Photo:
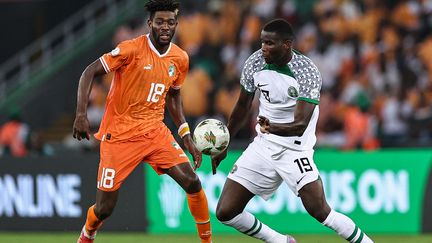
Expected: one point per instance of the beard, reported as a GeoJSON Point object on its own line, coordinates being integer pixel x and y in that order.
{"type": "Point", "coordinates": [159, 40]}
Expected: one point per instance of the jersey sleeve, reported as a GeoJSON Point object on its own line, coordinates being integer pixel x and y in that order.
{"type": "Point", "coordinates": [122, 55]}
{"type": "Point", "coordinates": [183, 67]}
{"type": "Point", "coordinates": [252, 65]}
{"type": "Point", "coordinates": [310, 82]}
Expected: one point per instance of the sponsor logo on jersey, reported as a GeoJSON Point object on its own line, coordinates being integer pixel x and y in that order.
{"type": "Point", "coordinates": [148, 67]}
{"type": "Point", "coordinates": [292, 92]}
{"type": "Point", "coordinates": [115, 52]}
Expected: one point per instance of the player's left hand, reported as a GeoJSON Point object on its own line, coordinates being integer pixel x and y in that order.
{"type": "Point", "coordinates": [264, 122]}
{"type": "Point", "coordinates": [196, 154]}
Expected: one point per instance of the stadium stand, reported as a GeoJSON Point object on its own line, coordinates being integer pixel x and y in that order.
{"type": "Point", "coordinates": [374, 57]}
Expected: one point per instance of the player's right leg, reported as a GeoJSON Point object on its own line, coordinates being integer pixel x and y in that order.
{"type": "Point", "coordinates": [117, 161]}
{"type": "Point", "coordinates": [96, 214]}
{"type": "Point", "coordinates": [251, 175]}
{"type": "Point", "coordinates": [230, 211]}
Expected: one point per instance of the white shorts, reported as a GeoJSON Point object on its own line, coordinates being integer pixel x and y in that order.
{"type": "Point", "coordinates": [264, 165]}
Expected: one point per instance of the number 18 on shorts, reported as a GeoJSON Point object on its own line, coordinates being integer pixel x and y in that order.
{"type": "Point", "coordinates": [106, 180]}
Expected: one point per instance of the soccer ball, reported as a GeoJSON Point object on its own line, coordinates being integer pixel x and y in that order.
{"type": "Point", "coordinates": [211, 136]}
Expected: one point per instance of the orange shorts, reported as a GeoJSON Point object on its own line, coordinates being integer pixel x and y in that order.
{"type": "Point", "coordinates": [117, 160]}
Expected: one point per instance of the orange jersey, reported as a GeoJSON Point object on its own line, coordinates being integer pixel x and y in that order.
{"type": "Point", "coordinates": [136, 100]}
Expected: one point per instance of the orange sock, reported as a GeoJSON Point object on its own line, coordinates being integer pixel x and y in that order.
{"type": "Point", "coordinates": [92, 223]}
{"type": "Point", "coordinates": [199, 208]}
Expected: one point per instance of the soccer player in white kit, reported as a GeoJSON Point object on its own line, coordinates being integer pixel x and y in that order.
{"type": "Point", "coordinates": [289, 85]}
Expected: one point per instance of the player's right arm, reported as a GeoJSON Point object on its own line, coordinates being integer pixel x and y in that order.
{"type": "Point", "coordinates": [235, 122]}
{"type": "Point", "coordinates": [81, 128]}
{"type": "Point", "coordinates": [241, 110]}
{"type": "Point", "coordinates": [121, 56]}
{"type": "Point", "coordinates": [243, 106]}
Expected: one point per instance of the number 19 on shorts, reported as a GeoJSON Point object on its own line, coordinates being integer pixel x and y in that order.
{"type": "Point", "coordinates": [107, 178]}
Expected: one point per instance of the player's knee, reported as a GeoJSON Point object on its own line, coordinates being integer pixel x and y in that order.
{"type": "Point", "coordinates": [224, 214]}
{"type": "Point", "coordinates": [104, 210]}
{"type": "Point", "coordinates": [192, 184]}
{"type": "Point", "coordinates": [319, 214]}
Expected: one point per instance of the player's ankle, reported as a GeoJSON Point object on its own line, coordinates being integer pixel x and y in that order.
{"type": "Point", "coordinates": [88, 234]}
{"type": "Point", "coordinates": [206, 237]}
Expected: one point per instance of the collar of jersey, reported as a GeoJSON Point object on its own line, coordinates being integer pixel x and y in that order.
{"type": "Point", "coordinates": [154, 48]}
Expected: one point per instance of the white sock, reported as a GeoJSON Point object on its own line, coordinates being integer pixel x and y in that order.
{"type": "Point", "coordinates": [87, 235]}
{"type": "Point", "coordinates": [346, 228]}
{"type": "Point", "coordinates": [247, 224]}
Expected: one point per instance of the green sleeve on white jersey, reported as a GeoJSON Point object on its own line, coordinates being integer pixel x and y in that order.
{"type": "Point", "coordinates": [252, 65]}
{"type": "Point", "coordinates": [308, 78]}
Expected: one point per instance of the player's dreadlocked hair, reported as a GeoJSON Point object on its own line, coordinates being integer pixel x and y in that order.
{"type": "Point", "coordinates": [281, 27]}
{"type": "Point", "coordinates": [162, 5]}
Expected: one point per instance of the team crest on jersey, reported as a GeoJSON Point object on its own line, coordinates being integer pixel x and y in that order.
{"type": "Point", "coordinates": [115, 52]}
{"type": "Point", "coordinates": [171, 70]}
{"type": "Point", "coordinates": [176, 145]}
{"type": "Point", "coordinates": [292, 92]}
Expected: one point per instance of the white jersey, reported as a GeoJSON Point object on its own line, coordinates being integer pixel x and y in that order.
{"type": "Point", "coordinates": [280, 88]}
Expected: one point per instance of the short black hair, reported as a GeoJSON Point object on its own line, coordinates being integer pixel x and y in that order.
{"type": "Point", "coordinates": [162, 5]}
{"type": "Point", "coordinates": [281, 27]}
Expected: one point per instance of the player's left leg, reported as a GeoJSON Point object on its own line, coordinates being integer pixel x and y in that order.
{"type": "Point", "coordinates": [169, 158]}
{"type": "Point", "coordinates": [184, 175]}
{"type": "Point", "coordinates": [313, 198]}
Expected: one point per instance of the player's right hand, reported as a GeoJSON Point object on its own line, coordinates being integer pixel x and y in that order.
{"type": "Point", "coordinates": [216, 159]}
{"type": "Point", "coordinates": [81, 128]}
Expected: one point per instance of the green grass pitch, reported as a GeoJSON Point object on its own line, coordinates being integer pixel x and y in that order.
{"type": "Point", "coordinates": [60, 237]}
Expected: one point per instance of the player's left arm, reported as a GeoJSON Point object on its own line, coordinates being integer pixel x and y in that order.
{"type": "Point", "coordinates": [302, 117]}
{"type": "Point", "coordinates": [175, 108]}
{"type": "Point", "coordinates": [309, 95]}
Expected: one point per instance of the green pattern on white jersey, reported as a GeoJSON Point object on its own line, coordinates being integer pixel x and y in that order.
{"type": "Point", "coordinates": [280, 88]}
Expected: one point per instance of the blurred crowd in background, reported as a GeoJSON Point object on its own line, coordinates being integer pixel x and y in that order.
{"type": "Point", "coordinates": [375, 58]}
{"type": "Point", "coordinates": [18, 140]}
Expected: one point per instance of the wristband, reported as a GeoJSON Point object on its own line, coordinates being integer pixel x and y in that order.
{"type": "Point", "coordinates": [183, 130]}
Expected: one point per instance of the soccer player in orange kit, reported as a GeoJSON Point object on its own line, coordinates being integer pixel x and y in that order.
{"type": "Point", "coordinates": [148, 72]}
